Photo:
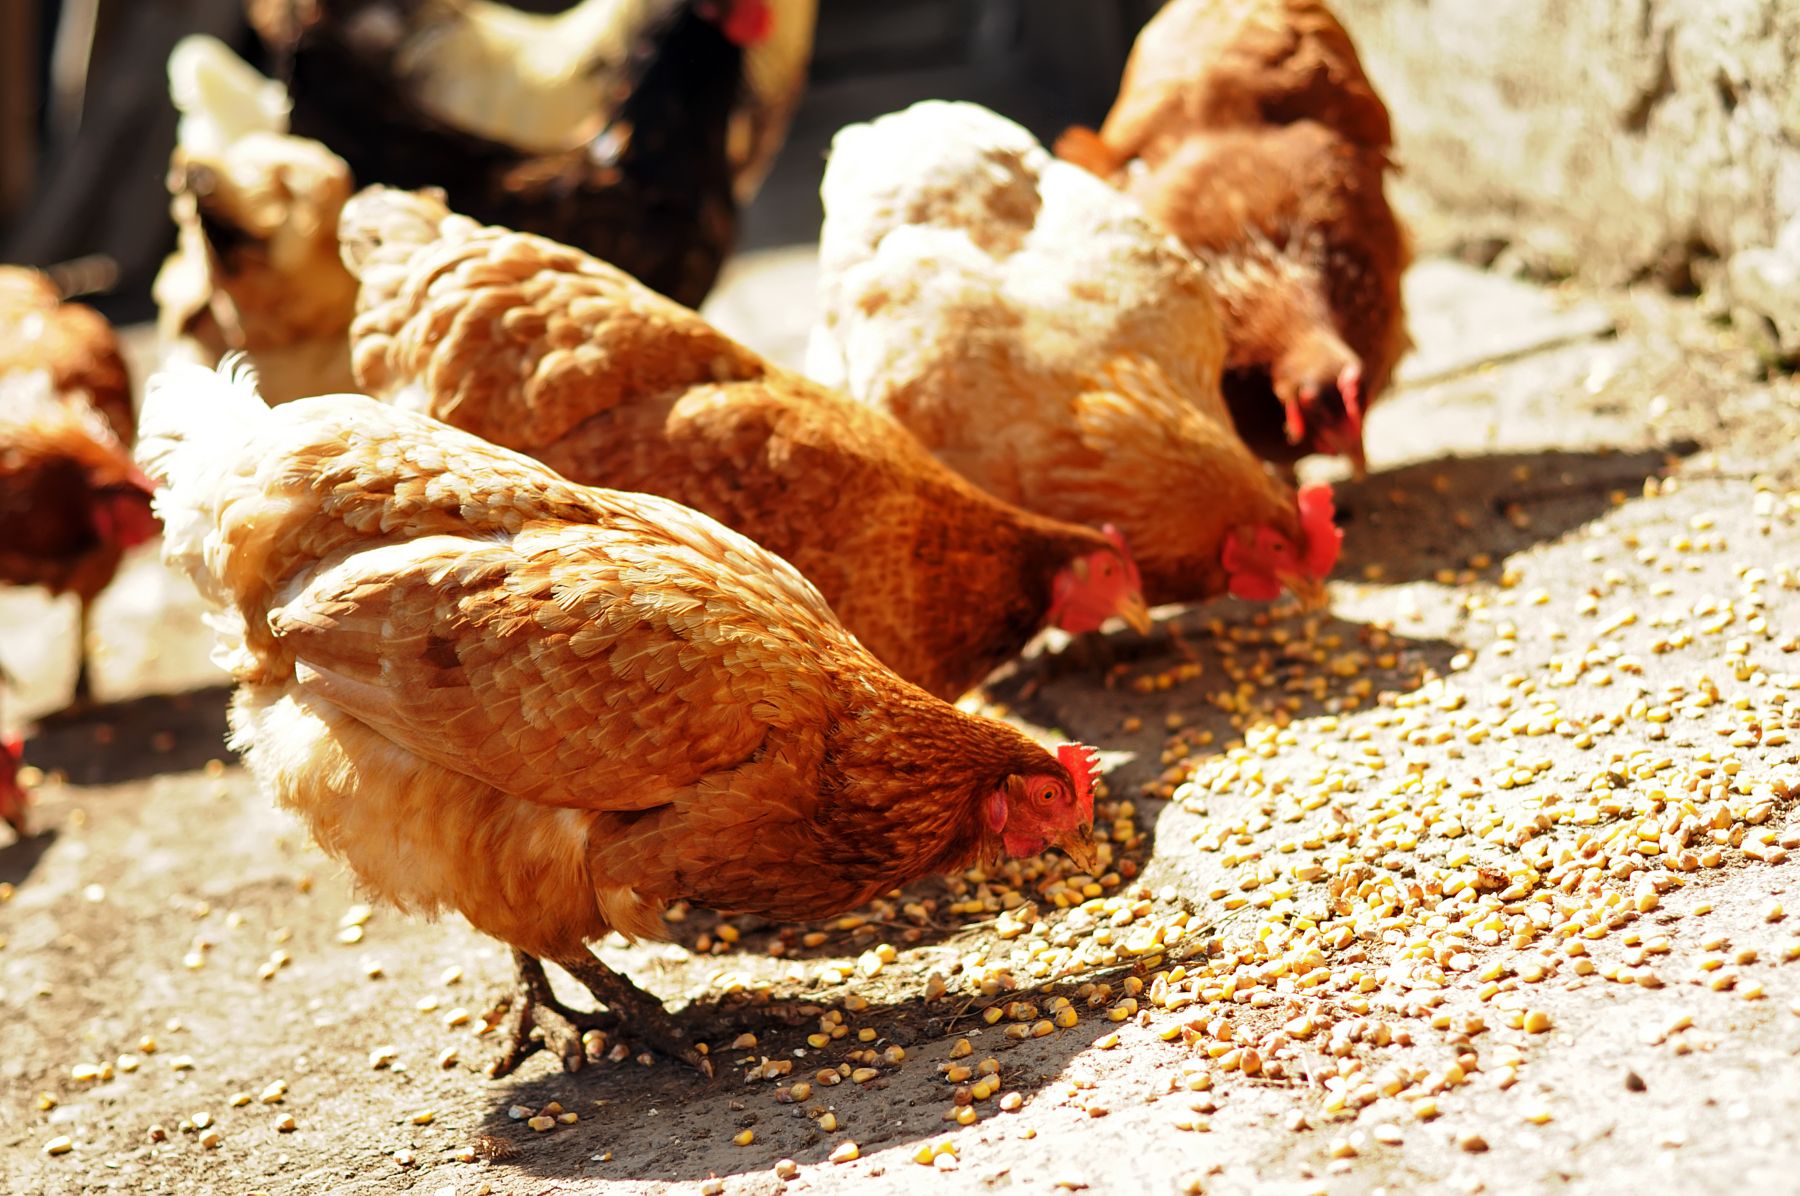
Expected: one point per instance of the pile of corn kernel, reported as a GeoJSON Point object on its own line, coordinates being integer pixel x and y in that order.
{"type": "Point", "coordinates": [1393, 847]}
{"type": "Point", "coordinates": [1392, 852]}
{"type": "Point", "coordinates": [1426, 847]}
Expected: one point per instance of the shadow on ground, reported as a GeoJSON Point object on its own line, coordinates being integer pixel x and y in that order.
{"type": "Point", "coordinates": [1208, 654]}
{"type": "Point", "coordinates": [662, 1121]}
{"type": "Point", "coordinates": [19, 858]}
{"type": "Point", "coordinates": [128, 741]}
{"type": "Point", "coordinates": [1433, 515]}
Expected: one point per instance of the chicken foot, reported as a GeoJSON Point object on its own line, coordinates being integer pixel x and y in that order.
{"type": "Point", "coordinates": [635, 1013]}
{"type": "Point", "coordinates": [534, 1006]}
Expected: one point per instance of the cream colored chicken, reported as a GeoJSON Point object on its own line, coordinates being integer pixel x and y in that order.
{"type": "Point", "coordinates": [555, 708]}
{"type": "Point", "coordinates": [1031, 327]}
{"type": "Point", "coordinates": [256, 266]}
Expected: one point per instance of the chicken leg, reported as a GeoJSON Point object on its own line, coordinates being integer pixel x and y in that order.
{"type": "Point", "coordinates": [625, 1007]}
{"type": "Point", "coordinates": [532, 1005]}
{"type": "Point", "coordinates": [636, 1014]}
{"type": "Point", "coordinates": [84, 685]}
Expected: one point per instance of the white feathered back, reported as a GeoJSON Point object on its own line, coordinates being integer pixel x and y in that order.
{"type": "Point", "coordinates": [985, 230]}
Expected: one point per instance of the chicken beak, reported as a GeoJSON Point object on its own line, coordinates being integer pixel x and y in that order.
{"type": "Point", "coordinates": [1079, 846]}
{"type": "Point", "coordinates": [1309, 590]}
{"type": "Point", "coordinates": [1136, 614]}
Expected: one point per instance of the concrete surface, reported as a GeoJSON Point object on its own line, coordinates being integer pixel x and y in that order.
{"type": "Point", "coordinates": [1556, 530]}
{"type": "Point", "coordinates": [1608, 139]}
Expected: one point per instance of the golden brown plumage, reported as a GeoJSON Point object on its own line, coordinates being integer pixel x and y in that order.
{"type": "Point", "coordinates": [1250, 131]}
{"type": "Point", "coordinates": [553, 708]}
{"type": "Point", "coordinates": [71, 502]}
{"type": "Point", "coordinates": [1044, 340]}
{"type": "Point", "coordinates": [548, 351]}
{"type": "Point", "coordinates": [73, 342]}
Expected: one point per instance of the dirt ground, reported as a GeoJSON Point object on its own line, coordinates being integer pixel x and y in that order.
{"type": "Point", "coordinates": [1481, 881]}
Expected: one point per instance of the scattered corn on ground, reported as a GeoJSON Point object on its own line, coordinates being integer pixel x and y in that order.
{"type": "Point", "coordinates": [1376, 882]}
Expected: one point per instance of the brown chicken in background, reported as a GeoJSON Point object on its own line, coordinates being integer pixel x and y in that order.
{"type": "Point", "coordinates": [1248, 128]}
{"type": "Point", "coordinates": [73, 342]}
{"type": "Point", "coordinates": [71, 501]}
{"type": "Point", "coordinates": [632, 129]}
{"type": "Point", "coordinates": [1044, 340]}
{"type": "Point", "coordinates": [556, 709]}
{"type": "Point", "coordinates": [256, 267]}
{"type": "Point", "coordinates": [543, 349]}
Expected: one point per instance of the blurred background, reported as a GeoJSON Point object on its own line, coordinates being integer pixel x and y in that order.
{"type": "Point", "coordinates": [1613, 141]}
{"type": "Point", "coordinates": [86, 125]}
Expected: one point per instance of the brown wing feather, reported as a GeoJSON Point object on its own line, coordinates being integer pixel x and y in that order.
{"type": "Point", "coordinates": [560, 667]}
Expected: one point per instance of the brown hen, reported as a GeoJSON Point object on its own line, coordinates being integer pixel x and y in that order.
{"type": "Point", "coordinates": [546, 350]}
{"type": "Point", "coordinates": [1248, 128]}
{"type": "Point", "coordinates": [71, 502]}
{"type": "Point", "coordinates": [256, 267]}
{"type": "Point", "coordinates": [73, 342]}
{"type": "Point", "coordinates": [557, 709]}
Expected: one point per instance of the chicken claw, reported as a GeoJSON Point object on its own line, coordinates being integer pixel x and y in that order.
{"type": "Point", "coordinates": [533, 1005]}
{"type": "Point", "coordinates": [560, 1028]}
{"type": "Point", "coordinates": [636, 1014]}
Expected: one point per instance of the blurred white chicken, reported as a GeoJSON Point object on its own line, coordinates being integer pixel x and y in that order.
{"type": "Point", "coordinates": [256, 266]}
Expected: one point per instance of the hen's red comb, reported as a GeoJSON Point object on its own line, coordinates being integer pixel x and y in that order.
{"type": "Point", "coordinates": [748, 22]}
{"type": "Point", "coordinates": [1323, 536]}
{"type": "Point", "coordinates": [1080, 760]}
{"type": "Point", "coordinates": [13, 747]}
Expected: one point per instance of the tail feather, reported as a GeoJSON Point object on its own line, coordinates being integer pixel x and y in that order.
{"type": "Point", "coordinates": [195, 425]}
{"type": "Point", "coordinates": [221, 97]}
